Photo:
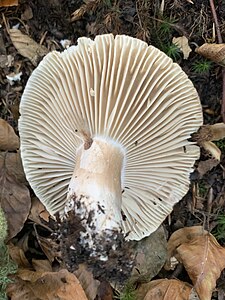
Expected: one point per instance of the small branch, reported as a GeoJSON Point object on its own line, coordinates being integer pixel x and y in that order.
{"type": "Point", "coordinates": [220, 41]}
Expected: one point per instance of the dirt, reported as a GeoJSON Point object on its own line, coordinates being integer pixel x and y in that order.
{"type": "Point", "coordinates": [49, 22]}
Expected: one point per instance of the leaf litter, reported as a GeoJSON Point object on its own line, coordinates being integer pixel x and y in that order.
{"type": "Point", "coordinates": [193, 247]}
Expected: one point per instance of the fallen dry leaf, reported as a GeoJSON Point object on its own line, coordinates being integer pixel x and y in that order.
{"type": "Point", "coordinates": [105, 291]}
{"type": "Point", "coordinates": [27, 47]}
{"type": "Point", "coordinates": [213, 132]}
{"type": "Point", "coordinates": [214, 52]}
{"type": "Point", "coordinates": [13, 163]}
{"type": "Point", "coordinates": [205, 166]}
{"type": "Point", "coordinates": [183, 235]}
{"type": "Point", "coordinates": [89, 284]}
{"type": "Point", "coordinates": [203, 259]}
{"type": "Point", "coordinates": [164, 289]}
{"type": "Point", "coordinates": [32, 285]}
{"type": "Point", "coordinates": [8, 3]}
{"type": "Point", "coordinates": [18, 256]}
{"type": "Point", "coordinates": [38, 212]}
{"type": "Point", "coordinates": [15, 201]}
{"type": "Point", "coordinates": [201, 255]}
{"type": "Point", "coordinates": [212, 149]}
{"type": "Point", "coordinates": [8, 139]}
{"type": "Point", "coordinates": [182, 43]}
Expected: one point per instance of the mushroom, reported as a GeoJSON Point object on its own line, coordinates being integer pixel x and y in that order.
{"type": "Point", "coordinates": [104, 132]}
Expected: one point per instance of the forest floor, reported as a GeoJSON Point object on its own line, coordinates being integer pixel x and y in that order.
{"type": "Point", "coordinates": [56, 22]}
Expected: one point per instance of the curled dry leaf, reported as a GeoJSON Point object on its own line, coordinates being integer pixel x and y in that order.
{"type": "Point", "coordinates": [13, 164]}
{"type": "Point", "coordinates": [183, 235]}
{"type": "Point", "coordinates": [8, 139]}
{"type": "Point", "coordinates": [214, 52]}
{"type": "Point", "coordinates": [212, 149]}
{"type": "Point", "coordinates": [182, 43]}
{"type": "Point", "coordinates": [213, 132]}
{"type": "Point", "coordinates": [15, 201]}
{"type": "Point", "coordinates": [27, 47]}
{"type": "Point", "coordinates": [164, 289]}
{"type": "Point", "coordinates": [32, 285]}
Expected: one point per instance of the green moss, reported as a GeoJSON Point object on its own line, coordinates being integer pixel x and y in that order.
{"type": "Point", "coordinates": [3, 226]}
{"type": "Point", "coordinates": [202, 66]}
{"type": "Point", "coordinates": [7, 266]}
{"type": "Point", "coordinates": [128, 293]}
{"type": "Point", "coordinates": [221, 145]}
{"type": "Point", "coordinates": [219, 230]}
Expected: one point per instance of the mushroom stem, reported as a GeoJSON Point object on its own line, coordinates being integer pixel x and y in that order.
{"type": "Point", "coordinates": [95, 188]}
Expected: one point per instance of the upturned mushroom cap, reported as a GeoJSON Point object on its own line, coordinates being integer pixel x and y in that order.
{"type": "Point", "coordinates": [119, 89]}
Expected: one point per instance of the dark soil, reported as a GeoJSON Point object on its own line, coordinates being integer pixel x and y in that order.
{"type": "Point", "coordinates": [50, 22]}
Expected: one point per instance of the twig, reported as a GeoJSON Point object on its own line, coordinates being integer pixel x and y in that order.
{"type": "Point", "coordinates": [220, 41]}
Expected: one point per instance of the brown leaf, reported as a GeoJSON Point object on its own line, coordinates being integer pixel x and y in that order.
{"type": "Point", "coordinates": [214, 52]}
{"type": "Point", "coordinates": [164, 289]}
{"type": "Point", "coordinates": [27, 47]}
{"type": "Point", "coordinates": [203, 259]}
{"type": "Point", "coordinates": [13, 164]}
{"type": "Point", "coordinates": [89, 284]}
{"type": "Point", "coordinates": [38, 212]}
{"type": "Point", "coordinates": [15, 201]}
{"type": "Point", "coordinates": [206, 165]}
{"type": "Point", "coordinates": [8, 3]}
{"type": "Point", "coordinates": [18, 256]}
{"type": "Point", "coordinates": [183, 235]}
{"type": "Point", "coordinates": [104, 291]}
{"type": "Point", "coordinates": [8, 139]}
{"type": "Point", "coordinates": [32, 285]}
{"type": "Point", "coordinates": [213, 132]}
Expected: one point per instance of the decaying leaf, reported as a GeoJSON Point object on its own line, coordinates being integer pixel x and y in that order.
{"type": "Point", "coordinates": [214, 52]}
{"type": "Point", "coordinates": [15, 201]}
{"type": "Point", "coordinates": [13, 164]}
{"type": "Point", "coordinates": [202, 257]}
{"type": "Point", "coordinates": [90, 5]}
{"type": "Point", "coordinates": [213, 132]}
{"type": "Point", "coordinates": [205, 166]}
{"type": "Point", "coordinates": [212, 149]}
{"type": "Point", "coordinates": [8, 3]}
{"type": "Point", "coordinates": [33, 285]}
{"type": "Point", "coordinates": [164, 289]}
{"type": "Point", "coordinates": [8, 139]}
{"type": "Point", "coordinates": [182, 43]}
{"type": "Point", "coordinates": [89, 284]}
{"type": "Point", "coordinates": [27, 47]}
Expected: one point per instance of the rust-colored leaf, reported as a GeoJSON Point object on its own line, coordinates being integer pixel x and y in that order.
{"type": "Point", "coordinates": [8, 139]}
{"type": "Point", "coordinates": [164, 289]}
{"type": "Point", "coordinates": [8, 3]}
{"type": "Point", "coordinates": [27, 47]}
{"type": "Point", "coordinates": [33, 285]}
{"type": "Point", "coordinates": [15, 201]}
{"type": "Point", "coordinates": [203, 259]}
